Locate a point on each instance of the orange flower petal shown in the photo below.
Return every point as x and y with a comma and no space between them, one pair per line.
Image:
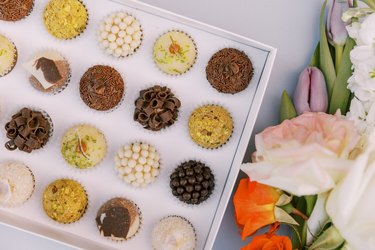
265,242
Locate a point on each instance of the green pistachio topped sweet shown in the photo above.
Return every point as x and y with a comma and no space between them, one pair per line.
174,52
83,146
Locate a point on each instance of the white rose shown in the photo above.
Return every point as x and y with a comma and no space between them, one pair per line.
351,203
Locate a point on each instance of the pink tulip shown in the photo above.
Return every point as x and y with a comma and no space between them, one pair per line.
311,92
336,27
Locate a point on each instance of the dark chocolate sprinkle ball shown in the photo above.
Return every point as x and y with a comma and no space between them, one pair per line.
229,71
192,182
15,10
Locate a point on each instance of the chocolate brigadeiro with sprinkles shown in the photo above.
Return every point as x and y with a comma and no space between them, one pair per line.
15,10
102,88
28,130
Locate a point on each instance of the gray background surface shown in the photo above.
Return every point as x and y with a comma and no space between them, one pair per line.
289,25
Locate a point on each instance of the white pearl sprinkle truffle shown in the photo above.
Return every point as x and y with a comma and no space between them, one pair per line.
137,164
121,32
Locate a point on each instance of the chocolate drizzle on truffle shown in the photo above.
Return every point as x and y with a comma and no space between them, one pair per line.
28,130
156,108
102,87
50,71
14,10
229,71
192,182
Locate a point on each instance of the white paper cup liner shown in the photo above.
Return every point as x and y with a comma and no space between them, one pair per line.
121,174
163,130
103,49
176,200
192,65
68,224
75,168
119,240
94,111
13,111
57,90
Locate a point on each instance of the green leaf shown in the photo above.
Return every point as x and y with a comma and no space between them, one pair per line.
287,110
299,240
325,58
330,239
341,95
314,61
310,203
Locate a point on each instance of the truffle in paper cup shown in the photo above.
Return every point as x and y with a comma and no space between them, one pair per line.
49,71
137,164
119,219
28,129
83,146
102,88
8,55
119,34
229,71
174,232
156,108
174,52
17,183
210,126
15,10
65,200
65,19
192,182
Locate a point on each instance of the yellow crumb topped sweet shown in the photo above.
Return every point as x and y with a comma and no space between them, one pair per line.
8,55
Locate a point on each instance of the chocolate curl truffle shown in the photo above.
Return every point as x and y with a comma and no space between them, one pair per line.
156,108
28,130
229,71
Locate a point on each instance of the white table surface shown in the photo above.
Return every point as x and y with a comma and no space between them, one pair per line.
289,25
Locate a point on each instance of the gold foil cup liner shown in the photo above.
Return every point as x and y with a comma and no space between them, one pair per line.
67,224
149,131
58,89
114,239
242,92
99,43
22,18
65,39
191,66
213,103
73,167
121,176
15,59
176,200
80,100
33,176
180,217
8,118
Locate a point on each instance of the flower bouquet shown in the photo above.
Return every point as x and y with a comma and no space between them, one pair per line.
315,171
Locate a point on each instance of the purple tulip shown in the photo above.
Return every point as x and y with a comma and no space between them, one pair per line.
311,92
336,27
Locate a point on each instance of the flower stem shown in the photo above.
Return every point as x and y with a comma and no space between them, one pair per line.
338,56
292,210
370,3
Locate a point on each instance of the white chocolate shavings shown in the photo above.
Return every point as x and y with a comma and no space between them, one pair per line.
172,233
16,184
137,164
119,34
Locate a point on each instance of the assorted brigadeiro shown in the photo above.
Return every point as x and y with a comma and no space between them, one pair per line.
49,71
83,146
16,184
120,34
118,219
192,182
175,52
15,10
65,19
137,164
28,130
173,232
65,201
8,55
156,108
210,126
102,88
229,71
